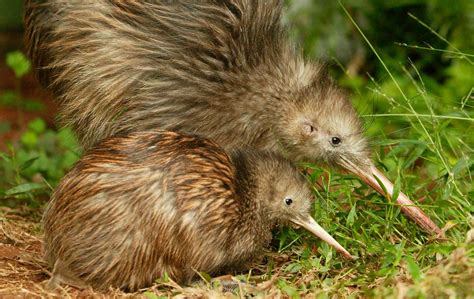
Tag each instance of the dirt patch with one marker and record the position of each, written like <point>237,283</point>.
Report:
<point>22,269</point>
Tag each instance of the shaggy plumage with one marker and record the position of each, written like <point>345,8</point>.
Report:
<point>222,69</point>
<point>139,206</point>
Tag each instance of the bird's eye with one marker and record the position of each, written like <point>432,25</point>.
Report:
<point>335,141</point>
<point>288,201</point>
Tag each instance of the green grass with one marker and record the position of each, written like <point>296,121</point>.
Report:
<point>421,133</point>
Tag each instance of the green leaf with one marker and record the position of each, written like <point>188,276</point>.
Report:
<point>10,98</point>
<point>151,295</point>
<point>205,276</point>
<point>5,157</point>
<point>24,188</point>
<point>414,269</point>
<point>19,63</point>
<point>415,154</point>
<point>396,189</point>
<point>283,238</point>
<point>37,125</point>
<point>69,159</point>
<point>293,267</point>
<point>29,138</point>
<point>28,163</point>
<point>163,279</point>
<point>289,290</point>
<point>352,216</point>
<point>67,139</point>
<point>462,164</point>
<point>32,105</point>
<point>381,184</point>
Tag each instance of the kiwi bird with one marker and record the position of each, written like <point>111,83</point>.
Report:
<point>221,69</point>
<point>142,205</point>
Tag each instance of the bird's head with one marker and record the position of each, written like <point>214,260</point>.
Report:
<point>317,123</point>
<point>290,200</point>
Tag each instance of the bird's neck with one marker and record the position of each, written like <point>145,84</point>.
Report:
<point>251,190</point>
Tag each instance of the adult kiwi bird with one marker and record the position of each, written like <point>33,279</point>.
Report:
<point>220,69</point>
<point>142,205</point>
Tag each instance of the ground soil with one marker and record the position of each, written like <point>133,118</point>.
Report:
<point>22,270</point>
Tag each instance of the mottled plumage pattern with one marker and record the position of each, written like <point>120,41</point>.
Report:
<point>138,206</point>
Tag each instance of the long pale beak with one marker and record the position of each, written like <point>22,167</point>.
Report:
<point>370,174</point>
<point>312,226</point>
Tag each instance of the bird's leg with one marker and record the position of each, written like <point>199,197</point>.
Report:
<point>62,275</point>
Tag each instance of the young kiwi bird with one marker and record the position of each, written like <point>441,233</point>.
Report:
<point>221,69</point>
<point>142,205</point>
